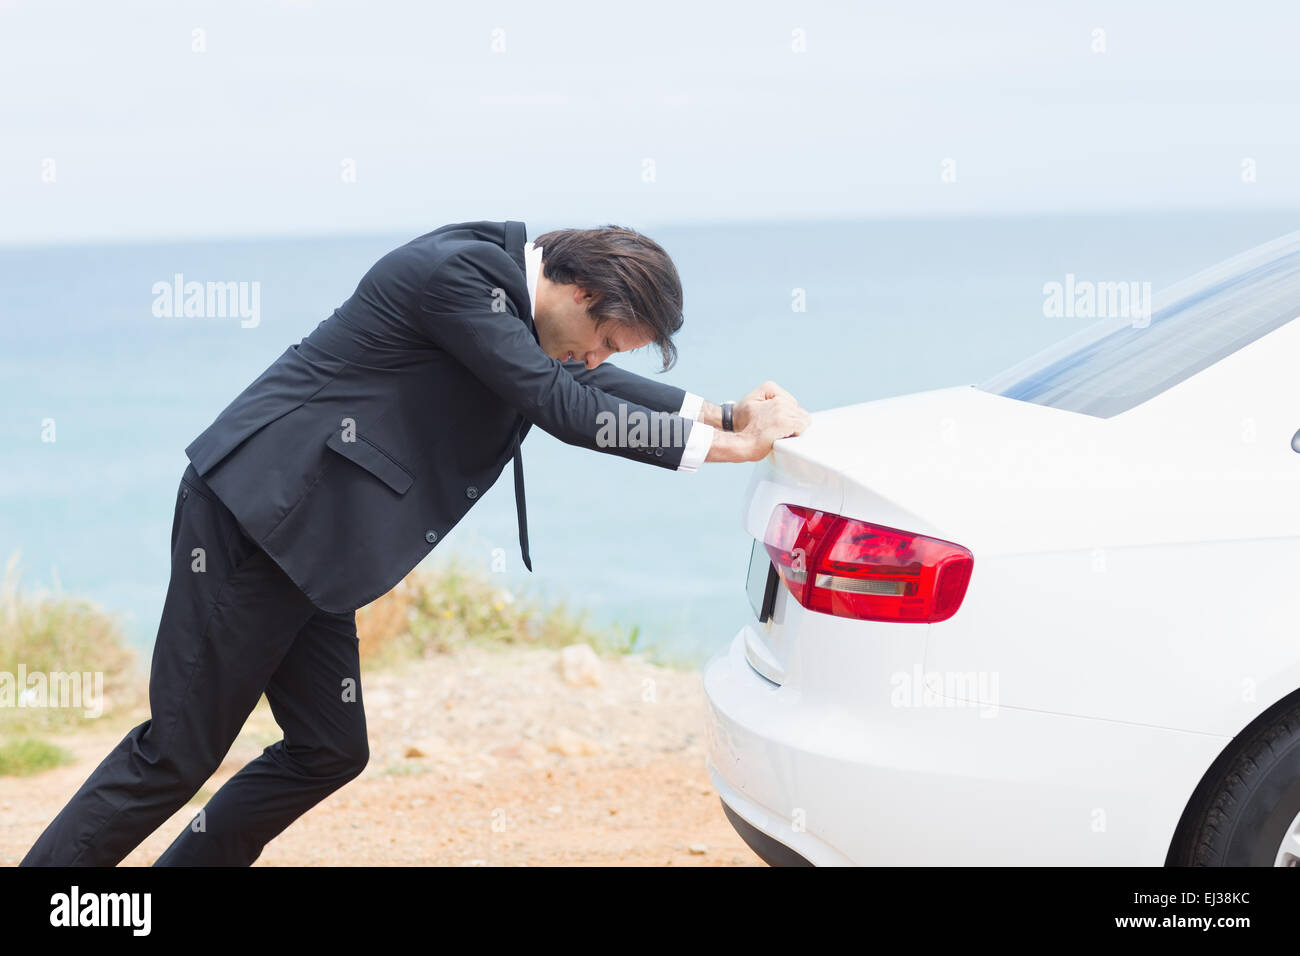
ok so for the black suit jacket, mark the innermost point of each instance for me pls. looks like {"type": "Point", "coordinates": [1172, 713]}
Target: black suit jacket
{"type": "Point", "coordinates": [365, 443]}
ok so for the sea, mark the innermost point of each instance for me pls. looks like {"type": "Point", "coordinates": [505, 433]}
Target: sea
{"type": "Point", "coordinates": [102, 387]}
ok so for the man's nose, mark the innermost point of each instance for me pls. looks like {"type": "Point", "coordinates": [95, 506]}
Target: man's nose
{"type": "Point", "coordinates": [595, 358]}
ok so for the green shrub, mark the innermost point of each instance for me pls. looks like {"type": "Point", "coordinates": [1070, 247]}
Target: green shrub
{"type": "Point", "coordinates": [20, 758]}
{"type": "Point", "coordinates": [44, 633]}
{"type": "Point", "coordinates": [434, 611]}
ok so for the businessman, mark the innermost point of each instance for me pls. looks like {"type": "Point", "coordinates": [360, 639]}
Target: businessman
{"type": "Point", "coordinates": [345, 463]}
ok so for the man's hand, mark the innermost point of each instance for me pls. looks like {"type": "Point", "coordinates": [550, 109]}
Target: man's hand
{"type": "Point", "coordinates": [771, 414]}
{"type": "Point", "coordinates": [740, 415]}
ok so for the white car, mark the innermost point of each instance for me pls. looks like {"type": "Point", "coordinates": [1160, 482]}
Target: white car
{"type": "Point", "coordinates": [1050, 619]}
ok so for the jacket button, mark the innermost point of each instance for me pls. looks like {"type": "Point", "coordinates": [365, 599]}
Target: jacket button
{"type": "Point", "coordinates": [431, 536]}
{"type": "Point", "coordinates": [471, 492]}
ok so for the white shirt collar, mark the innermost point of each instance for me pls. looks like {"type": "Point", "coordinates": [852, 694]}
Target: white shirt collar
{"type": "Point", "coordinates": [533, 266]}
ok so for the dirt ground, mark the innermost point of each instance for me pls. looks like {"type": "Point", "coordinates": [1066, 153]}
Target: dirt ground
{"type": "Point", "coordinates": [488, 757]}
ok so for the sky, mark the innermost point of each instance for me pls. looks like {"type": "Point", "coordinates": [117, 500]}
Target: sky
{"type": "Point", "coordinates": [135, 120]}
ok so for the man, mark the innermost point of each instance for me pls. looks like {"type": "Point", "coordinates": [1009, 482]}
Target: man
{"type": "Point", "coordinates": [340, 467]}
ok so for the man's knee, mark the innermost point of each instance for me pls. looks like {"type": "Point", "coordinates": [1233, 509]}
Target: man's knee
{"type": "Point", "coordinates": [340, 760]}
{"type": "Point", "coordinates": [179, 767]}
{"type": "Point", "coordinates": [354, 756]}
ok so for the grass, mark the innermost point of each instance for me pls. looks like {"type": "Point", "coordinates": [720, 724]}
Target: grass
{"type": "Point", "coordinates": [436, 611]}
{"type": "Point", "coordinates": [21, 758]}
{"type": "Point", "coordinates": [430, 612]}
{"type": "Point", "coordinates": [50, 633]}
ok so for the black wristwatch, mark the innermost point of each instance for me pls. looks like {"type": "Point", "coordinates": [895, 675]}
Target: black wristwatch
{"type": "Point", "coordinates": [726, 416]}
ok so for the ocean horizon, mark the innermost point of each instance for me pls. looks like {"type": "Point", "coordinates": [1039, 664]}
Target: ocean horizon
{"type": "Point", "coordinates": [104, 381]}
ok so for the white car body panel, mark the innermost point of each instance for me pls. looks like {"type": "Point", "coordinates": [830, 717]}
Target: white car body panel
{"type": "Point", "coordinates": [1134, 603]}
{"type": "Point", "coordinates": [844, 784]}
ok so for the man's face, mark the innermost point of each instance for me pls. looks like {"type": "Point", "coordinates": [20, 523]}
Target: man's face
{"type": "Point", "coordinates": [566, 330]}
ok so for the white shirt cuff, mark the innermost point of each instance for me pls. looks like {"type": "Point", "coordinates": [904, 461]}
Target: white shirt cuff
{"type": "Point", "coordinates": [697, 447]}
{"type": "Point", "coordinates": [691, 405]}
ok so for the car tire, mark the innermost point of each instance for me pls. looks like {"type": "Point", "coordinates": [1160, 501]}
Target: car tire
{"type": "Point", "coordinates": [1248, 804]}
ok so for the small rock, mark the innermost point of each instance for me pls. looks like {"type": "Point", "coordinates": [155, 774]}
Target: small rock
{"type": "Point", "coordinates": [580, 666]}
{"type": "Point", "coordinates": [573, 744]}
{"type": "Point", "coordinates": [698, 849]}
{"type": "Point", "coordinates": [556, 809]}
{"type": "Point", "coordinates": [424, 747]}
{"type": "Point", "coordinates": [508, 752]}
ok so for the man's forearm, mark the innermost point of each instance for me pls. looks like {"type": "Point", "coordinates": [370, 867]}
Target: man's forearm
{"type": "Point", "coordinates": [710, 414]}
{"type": "Point", "coordinates": [726, 446]}
{"type": "Point", "coordinates": [763, 416]}
{"type": "Point", "coordinates": [730, 446]}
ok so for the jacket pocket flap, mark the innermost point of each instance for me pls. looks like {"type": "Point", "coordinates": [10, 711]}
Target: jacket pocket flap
{"type": "Point", "coordinates": [373, 460]}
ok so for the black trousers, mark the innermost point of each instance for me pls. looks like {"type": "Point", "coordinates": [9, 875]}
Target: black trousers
{"type": "Point", "coordinates": [233, 626]}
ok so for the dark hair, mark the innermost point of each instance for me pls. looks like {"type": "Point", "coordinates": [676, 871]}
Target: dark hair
{"type": "Point", "coordinates": [631, 278]}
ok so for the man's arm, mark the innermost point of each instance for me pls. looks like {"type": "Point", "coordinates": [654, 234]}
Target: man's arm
{"type": "Point", "coordinates": [669, 398]}
{"type": "Point", "coordinates": [713, 443]}
{"type": "Point", "coordinates": [465, 311]}
{"type": "Point", "coordinates": [621, 383]}
{"type": "Point", "coordinates": [657, 395]}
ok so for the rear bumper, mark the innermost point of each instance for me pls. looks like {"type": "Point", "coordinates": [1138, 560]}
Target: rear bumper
{"type": "Point", "coordinates": [941, 784]}
{"type": "Point", "coordinates": [769, 850]}
{"type": "Point", "coordinates": [770, 836]}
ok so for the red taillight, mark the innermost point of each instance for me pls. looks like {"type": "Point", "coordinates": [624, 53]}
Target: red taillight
{"type": "Point", "coordinates": [852, 568]}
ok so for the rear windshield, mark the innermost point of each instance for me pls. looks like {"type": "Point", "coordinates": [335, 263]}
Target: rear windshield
{"type": "Point", "coordinates": [1117, 363]}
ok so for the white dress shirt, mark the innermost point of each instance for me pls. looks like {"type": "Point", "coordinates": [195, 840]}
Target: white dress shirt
{"type": "Point", "coordinates": [701, 437]}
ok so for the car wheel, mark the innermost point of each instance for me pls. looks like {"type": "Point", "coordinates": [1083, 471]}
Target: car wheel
{"type": "Point", "coordinates": [1248, 813]}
